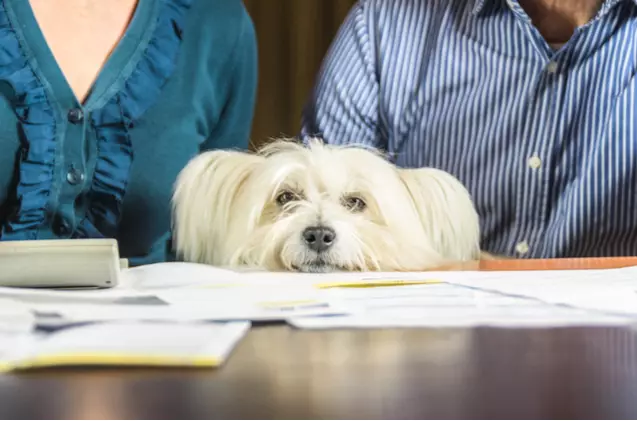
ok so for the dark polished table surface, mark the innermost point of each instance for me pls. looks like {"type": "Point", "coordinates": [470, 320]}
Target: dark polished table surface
{"type": "Point", "coordinates": [278, 372]}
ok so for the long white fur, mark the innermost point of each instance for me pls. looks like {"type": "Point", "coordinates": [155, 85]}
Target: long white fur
{"type": "Point", "coordinates": [225, 210]}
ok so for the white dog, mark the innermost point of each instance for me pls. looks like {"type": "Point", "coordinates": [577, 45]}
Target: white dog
{"type": "Point", "coordinates": [320, 208]}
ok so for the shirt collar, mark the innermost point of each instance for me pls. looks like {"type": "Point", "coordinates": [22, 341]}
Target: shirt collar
{"type": "Point", "coordinates": [479, 5]}
{"type": "Point", "coordinates": [609, 4]}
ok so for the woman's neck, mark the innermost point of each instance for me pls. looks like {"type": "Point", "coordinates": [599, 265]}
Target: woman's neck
{"type": "Point", "coordinates": [557, 19]}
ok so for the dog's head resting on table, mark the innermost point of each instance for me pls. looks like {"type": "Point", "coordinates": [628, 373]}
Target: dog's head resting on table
{"type": "Point", "coordinates": [320, 208]}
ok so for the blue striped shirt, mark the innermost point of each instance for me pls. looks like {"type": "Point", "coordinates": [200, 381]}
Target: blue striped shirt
{"type": "Point", "coordinates": [545, 140]}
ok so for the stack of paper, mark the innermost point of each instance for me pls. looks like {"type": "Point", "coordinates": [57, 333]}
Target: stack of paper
{"type": "Point", "coordinates": [169, 314]}
{"type": "Point", "coordinates": [188, 314]}
{"type": "Point", "coordinates": [189, 292]}
{"type": "Point", "coordinates": [430, 299]}
{"type": "Point", "coordinates": [121, 344]}
{"type": "Point", "coordinates": [179, 292]}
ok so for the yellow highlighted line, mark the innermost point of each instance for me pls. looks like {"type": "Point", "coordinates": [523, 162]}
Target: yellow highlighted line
{"type": "Point", "coordinates": [376, 283]}
{"type": "Point", "coordinates": [103, 359]}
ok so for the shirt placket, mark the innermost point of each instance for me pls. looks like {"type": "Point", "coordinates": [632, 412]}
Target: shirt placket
{"type": "Point", "coordinates": [536, 161]}
{"type": "Point", "coordinates": [71, 169]}
{"type": "Point", "coordinates": [542, 166]}
{"type": "Point", "coordinates": [542, 134]}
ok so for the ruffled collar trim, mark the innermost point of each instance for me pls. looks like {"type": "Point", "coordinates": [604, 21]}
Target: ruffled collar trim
{"type": "Point", "coordinates": [111, 123]}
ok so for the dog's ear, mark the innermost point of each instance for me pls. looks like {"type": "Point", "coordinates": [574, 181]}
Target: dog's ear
{"type": "Point", "coordinates": [446, 211]}
{"type": "Point", "coordinates": [203, 199]}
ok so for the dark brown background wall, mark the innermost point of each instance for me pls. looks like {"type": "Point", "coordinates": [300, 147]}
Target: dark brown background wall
{"type": "Point", "coordinates": [293, 37]}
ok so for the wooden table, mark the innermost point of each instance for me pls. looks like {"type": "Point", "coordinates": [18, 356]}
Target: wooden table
{"type": "Point", "coordinates": [281, 373]}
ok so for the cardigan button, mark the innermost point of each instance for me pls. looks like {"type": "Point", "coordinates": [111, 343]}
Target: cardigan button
{"type": "Point", "coordinates": [75, 115]}
{"type": "Point", "coordinates": [74, 176]}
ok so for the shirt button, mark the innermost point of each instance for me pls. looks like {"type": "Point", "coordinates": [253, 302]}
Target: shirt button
{"type": "Point", "coordinates": [522, 247]}
{"type": "Point", "coordinates": [74, 176]}
{"type": "Point", "coordinates": [534, 162]}
{"type": "Point", "coordinates": [75, 115]}
{"type": "Point", "coordinates": [552, 67]}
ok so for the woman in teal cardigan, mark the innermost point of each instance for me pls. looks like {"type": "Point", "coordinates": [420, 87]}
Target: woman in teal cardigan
{"type": "Point", "coordinates": [93, 137]}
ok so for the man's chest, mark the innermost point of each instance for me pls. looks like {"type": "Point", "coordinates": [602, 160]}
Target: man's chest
{"type": "Point", "coordinates": [546, 144]}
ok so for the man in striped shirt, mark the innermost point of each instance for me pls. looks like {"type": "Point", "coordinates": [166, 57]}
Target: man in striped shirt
{"type": "Point", "coordinates": [530, 103]}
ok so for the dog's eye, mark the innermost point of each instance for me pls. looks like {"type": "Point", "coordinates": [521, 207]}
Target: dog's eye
{"type": "Point", "coordinates": [286, 197]}
{"type": "Point", "coordinates": [354, 204]}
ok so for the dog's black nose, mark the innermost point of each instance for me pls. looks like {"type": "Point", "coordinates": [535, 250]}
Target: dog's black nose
{"type": "Point", "coordinates": [319, 238]}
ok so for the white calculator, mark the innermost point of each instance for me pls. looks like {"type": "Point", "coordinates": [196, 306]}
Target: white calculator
{"type": "Point", "coordinates": [86, 263]}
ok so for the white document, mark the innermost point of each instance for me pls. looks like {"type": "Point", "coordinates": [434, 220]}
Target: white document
{"type": "Point", "coordinates": [611, 291]}
{"type": "Point", "coordinates": [138, 282]}
{"type": "Point", "coordinates": [160, 276]}
{"type": "Point", "coordinates": [191, 292]}
{"type": "Point", "coordinates": [63, 314]}
{"type": "Point", "coordinates": [447, 305]}
{"type": "Point", "coordinates": [203, 300]}
{"type": "Point", "coordinates": [16, 317]}
{"type": "Point", "coordinates": [97, 296]}
{"type": "Point", "coordinates": [121, 344]}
